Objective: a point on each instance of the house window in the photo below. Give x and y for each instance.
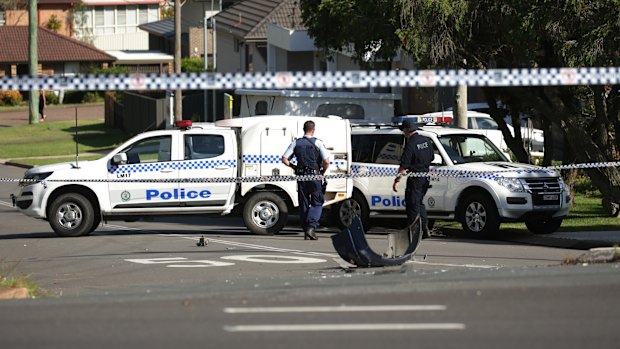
(102, 20)
(2, 20)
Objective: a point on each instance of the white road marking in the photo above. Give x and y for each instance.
(269, 248)
(334, 309)
(482, 266)
(187, 263)
(231, 243)
(346, 327)
(7, 204)
(274, 259)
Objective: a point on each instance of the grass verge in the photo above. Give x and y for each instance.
(7, 280)
(587, 214)
(57, 139)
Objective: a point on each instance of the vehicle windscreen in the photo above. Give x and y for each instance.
(470, 148)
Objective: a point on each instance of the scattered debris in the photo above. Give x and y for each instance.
(596, 255)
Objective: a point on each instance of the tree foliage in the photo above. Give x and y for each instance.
(484, 34)
(365, 27)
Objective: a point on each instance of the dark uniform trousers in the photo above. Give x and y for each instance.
(310, 193)
(311, 201)
(414, 199)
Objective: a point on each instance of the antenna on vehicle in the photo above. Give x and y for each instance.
(77, 165)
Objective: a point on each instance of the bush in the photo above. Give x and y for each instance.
(11, 98)
(91, 97)
(72, 97)
(583, 185)
(192, 65)
(51, 98)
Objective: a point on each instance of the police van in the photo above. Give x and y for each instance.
(474, 182)
(187, 170)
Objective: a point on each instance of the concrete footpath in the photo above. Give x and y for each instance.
(20, 116)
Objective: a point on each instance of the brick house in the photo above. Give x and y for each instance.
(109, 25)
(58, 54)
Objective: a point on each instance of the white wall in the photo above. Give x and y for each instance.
(122, 42)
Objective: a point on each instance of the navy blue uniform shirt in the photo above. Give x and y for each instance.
(418, 154)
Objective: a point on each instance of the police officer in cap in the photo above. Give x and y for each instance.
(312, 159)
(417, 157)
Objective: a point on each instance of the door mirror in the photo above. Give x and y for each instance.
(119, 159)
(437, 160)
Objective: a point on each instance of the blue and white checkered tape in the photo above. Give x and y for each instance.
(313, 80)
(380, 171)
(275, 159)
(177, 165)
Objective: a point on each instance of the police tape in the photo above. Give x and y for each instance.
(313, 80)
(488, 174)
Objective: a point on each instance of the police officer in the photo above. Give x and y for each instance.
(312, 159)
(417, 157)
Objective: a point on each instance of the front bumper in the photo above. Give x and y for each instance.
(522, 206)
(30, 200)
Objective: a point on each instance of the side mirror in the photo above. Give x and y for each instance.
(437, 160)
(119, 159)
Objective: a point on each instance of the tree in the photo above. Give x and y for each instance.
(366, 27)
(534, 33)
(505, 34)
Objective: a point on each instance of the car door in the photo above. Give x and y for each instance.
(149, 178)
(435, 198)
(208, 155)
(378, 156)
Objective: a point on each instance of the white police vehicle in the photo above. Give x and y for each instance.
(175, 171)
(499, 191)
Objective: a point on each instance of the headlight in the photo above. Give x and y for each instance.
(512, 184)
(563, 185)
(34, 178)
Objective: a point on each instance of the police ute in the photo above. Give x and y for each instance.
(198, 168)
(472, 182)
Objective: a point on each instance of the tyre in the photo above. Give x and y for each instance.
(344, 211)
(543, 225)
(71, 214)
(479, 215)
(265, 213)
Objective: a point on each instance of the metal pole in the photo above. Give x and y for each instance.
(33, 61)
(178, 96)
(206, 63)
(461, 106)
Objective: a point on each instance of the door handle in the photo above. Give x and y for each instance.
(166, 170)
(222, 167)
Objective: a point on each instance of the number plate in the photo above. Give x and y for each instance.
(550, 197)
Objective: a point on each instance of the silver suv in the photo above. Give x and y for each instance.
(473, 182)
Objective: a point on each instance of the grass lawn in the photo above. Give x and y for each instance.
(586, 215)
(57, 138)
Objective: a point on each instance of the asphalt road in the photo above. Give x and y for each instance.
(147, 284)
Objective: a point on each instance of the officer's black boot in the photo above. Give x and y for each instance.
(309, 234)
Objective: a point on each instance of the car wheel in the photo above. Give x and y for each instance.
(346, 210)
(543, 226)
(265, 213)
(71, 214)
(479, 215)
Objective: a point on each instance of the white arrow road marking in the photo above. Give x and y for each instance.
(346, 327)
(334, 309)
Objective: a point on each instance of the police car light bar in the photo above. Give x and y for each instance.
(423, 119)
(185, 124)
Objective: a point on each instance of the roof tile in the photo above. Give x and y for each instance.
(52, 47)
